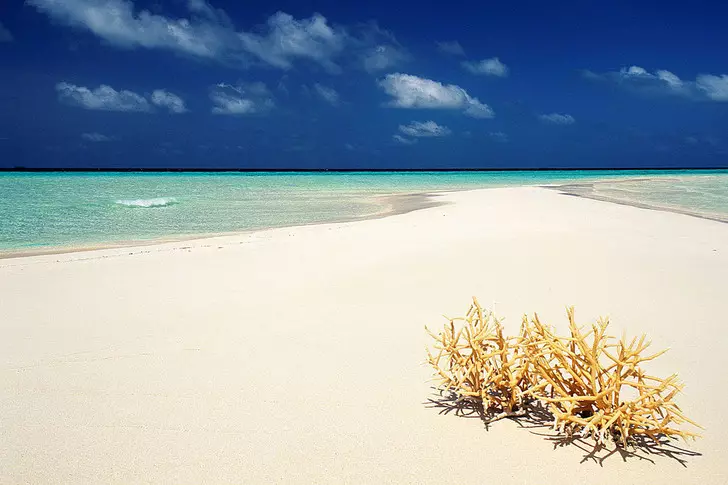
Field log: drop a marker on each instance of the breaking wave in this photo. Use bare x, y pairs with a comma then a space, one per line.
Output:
156, 202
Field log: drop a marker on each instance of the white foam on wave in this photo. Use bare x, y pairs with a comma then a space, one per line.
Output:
156, 202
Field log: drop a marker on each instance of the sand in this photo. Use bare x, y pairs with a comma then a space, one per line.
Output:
296, 355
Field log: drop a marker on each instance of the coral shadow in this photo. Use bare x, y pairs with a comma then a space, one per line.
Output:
537, 418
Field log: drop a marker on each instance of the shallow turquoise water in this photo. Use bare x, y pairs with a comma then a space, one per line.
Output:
70, 209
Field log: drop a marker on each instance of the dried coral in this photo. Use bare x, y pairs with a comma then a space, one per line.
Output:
481, 364
592, 383
596, 386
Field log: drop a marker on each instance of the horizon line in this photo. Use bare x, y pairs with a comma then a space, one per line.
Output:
345, 170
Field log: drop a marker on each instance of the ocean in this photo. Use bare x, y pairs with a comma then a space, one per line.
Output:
68, 209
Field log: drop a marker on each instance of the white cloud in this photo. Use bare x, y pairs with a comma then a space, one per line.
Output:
663, 82
558, 119
415, 92
103, 98
209, 33
640, 78
5, 35
488, 67
327, 94
383, 57
403, 140
714, 87
117, 22
96, 137
450, 47
165, 99
375, 49
288, 39
106, 98
241, 99
207, 11
419, 129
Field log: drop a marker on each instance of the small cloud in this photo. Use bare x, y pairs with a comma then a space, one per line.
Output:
452, 48
282, 87
245, 98
498, 136
206, 11
106, 98
96, 137
488, 67
288, 39
403, 140
165, 99
350, 147
103, 98
714, 87
383, 57
637, 79
327, 94
377, 49
702, 140
419, 129
5, 35
410, 92
558, 119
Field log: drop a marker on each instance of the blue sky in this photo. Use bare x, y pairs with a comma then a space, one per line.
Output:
332, 84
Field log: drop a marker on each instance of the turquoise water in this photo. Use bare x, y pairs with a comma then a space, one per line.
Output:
49, 210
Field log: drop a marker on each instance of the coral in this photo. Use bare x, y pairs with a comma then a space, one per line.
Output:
477, 362
593, 384
596, 386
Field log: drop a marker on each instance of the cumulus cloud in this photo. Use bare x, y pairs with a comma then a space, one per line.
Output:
487, 67
117, 22
103, 98
329, 95
403, 140
106, 98
208, 33
419, 129
415, 92
5, 35
242, 99
96, 137
714, 87
558, 119
662, 82
165, 99
450, 47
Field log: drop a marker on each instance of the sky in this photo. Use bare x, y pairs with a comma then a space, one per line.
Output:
375, 84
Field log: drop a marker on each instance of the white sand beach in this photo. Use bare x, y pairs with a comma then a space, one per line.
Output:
296, 355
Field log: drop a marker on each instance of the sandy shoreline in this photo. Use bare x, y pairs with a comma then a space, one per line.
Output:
588, 191
395, 204
295, 355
